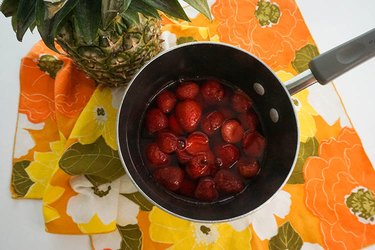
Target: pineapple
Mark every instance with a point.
(108, 39)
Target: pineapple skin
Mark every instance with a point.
(117, 53)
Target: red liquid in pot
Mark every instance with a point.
(202, 139)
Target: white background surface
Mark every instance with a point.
(330, 22)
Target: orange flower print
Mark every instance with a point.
(271, 30)
(51, 84)
(340, 191)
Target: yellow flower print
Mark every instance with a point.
(182, 234)
(98, 118)
(52, 194)
(43, 167)
(305, 112)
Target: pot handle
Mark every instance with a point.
(335, 62)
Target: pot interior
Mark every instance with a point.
(270, 100)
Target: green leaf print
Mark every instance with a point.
(185, 39)
(139, 199)
(97, 161)
(304, 56)
(20, 179)
(307, 149)
(267, 13)
(286, 238)
(50, 65)
(131, 237)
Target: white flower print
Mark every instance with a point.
(91, 200)
(127, 212)
(311, 246)
(170, 40)
(263, 219)
(24, 142)
(190, 11)
(327, 103)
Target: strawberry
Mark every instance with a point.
(248, 168)
(197, 142)
(227, 113)
(228, 183)
(167, 142)
(200, 165)
(166, 101)
(206, 190)
(187, 187)
(170, 177)
(241, 102)
(174, 126)
(253, 144)
(212, 91)
(226, 155)
(187, 90)
(155, 156)
(232, 131)
(156, 120)
(188, 114)
(211, 122)
(249, 120)
(183, 156)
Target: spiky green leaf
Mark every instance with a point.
(110, 8)
(169, 7)
(25, 17)
(9, 7)
(142, 7)
(87, 19)
(49, 27)
(99, 162)
(201, 6)
(130, 16)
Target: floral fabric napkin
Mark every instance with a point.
(65, 149)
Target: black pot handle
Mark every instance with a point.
(335, 62)
(342, 58)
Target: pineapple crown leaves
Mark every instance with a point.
(87, 16)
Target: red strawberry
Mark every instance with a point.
(212, 122)
(241, 102)
(212, 92)
(156, 120)
(155, 156)
(197, 142)
(187, 187)
(228, 183)
(170, 177)
(187, 90)
(226, 155)
(188, 114)
(249, 120)
(200, 165)
(175, 126)
(166, 101)
(183, 156)
(248, 168)
(206, 190)
(227, 113)
(232, 131)
(167, 142)
(253, 144)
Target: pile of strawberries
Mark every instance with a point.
(205, 142)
